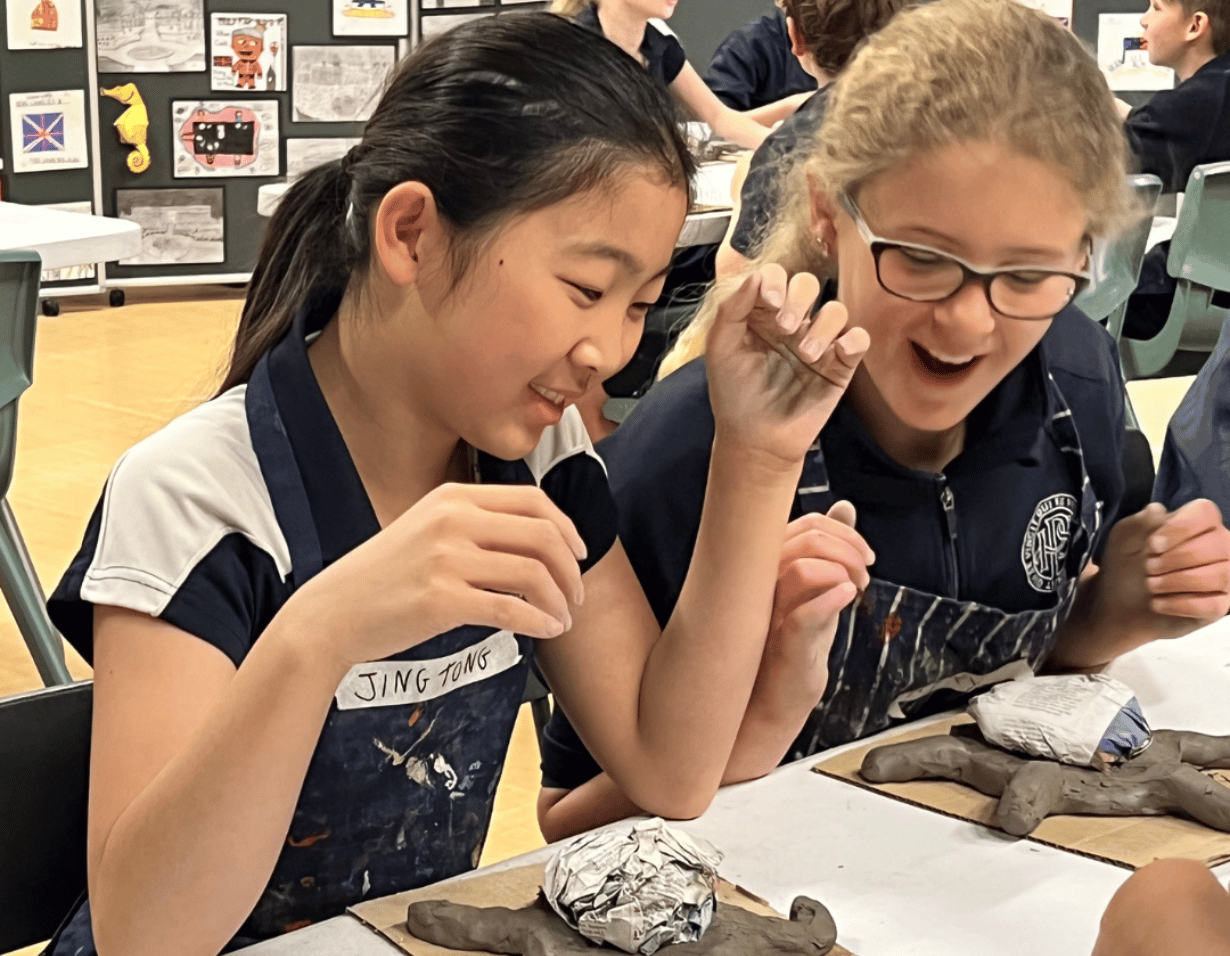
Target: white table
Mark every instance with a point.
(903, 881)
(699, 229)
(67, 238)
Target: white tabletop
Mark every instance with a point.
(903, 881)
(67, 238)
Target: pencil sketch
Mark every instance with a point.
(248, 51)
(150, 36)
(369, 18)
(339, 84)
(434, 26)
(304, 155)
(177, 225)
(225, 138)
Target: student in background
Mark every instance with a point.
(629, 24)
(311, 603)
(977, 453)
(756, 65)
(1168, 907)
(823, 36)
(1178, 129)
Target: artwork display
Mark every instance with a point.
(48, 131)
(150, 36)
(1061, 10)
(339, 84)
(385, 18)
(43, 24)
(1123, 57)
(1165, 779)
(247, 52)
(70, 273)
(132, 125)
(434, 26)
(303, 155)
(178, 226)
(225, 138)
(536, 930)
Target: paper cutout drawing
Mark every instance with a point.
(132, 126)
(45, 17)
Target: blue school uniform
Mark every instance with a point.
(214, 522)
(1195, 460)
(664, 56)
(976, 568)
(754, 66)
(1172, 134)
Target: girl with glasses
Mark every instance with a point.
(969, 154)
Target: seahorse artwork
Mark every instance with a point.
(132, 126)
(45, 17)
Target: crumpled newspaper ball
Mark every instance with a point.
(637, 888)
(1080, 719)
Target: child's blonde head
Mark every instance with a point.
(949, 72)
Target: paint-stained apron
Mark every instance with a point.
(900, 654)
(400, 790)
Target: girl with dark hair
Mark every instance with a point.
(311, 603)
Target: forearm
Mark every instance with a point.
(595, 803)
(739, 128)
(774, 112)
(195, 850)
(699, 675)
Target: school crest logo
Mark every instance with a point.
(1045, 547)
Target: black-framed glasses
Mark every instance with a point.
(922, 274)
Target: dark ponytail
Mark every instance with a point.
(498, 117)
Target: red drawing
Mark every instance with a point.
(227, 138)
(45, 16)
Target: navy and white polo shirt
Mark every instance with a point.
(996, 542)
(755, 65)
(661, 49)
(212, 523)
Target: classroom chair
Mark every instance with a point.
(44, 788)
(19, 278)
(1199, 260)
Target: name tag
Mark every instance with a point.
(389, 683)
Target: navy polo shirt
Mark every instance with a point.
(198, 526)
(658, 461)
(754, 65)
(664, 56)
(771, 163)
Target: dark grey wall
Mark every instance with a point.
(703, 24)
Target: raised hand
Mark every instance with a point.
(775, 372)
(490, 555)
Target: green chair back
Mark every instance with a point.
(1199, 260)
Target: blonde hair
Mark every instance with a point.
(950, 71)
(569, 8)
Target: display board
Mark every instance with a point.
(437, 16)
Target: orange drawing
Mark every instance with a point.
(45, 17)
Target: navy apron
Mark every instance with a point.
(900, 654)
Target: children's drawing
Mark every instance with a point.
(1123, 57)
(132, 125)
(304, 155)
(386, 18)
(248, 51)
(339, 84)
(48, 131)
(225, 138)
(43, 24)
(150, 36)
(177, 225)
(70, 273)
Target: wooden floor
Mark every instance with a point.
(105, 378)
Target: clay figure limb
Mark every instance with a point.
(1165, 779)
(536, 930)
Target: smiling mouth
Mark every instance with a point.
(947, 366)
(555, 398)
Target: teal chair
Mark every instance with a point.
(19, 277)
(1115, 268)
(1200, 261)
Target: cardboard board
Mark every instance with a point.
(512, 888)
(1129, 842)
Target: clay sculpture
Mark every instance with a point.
(1164, 779)
(536, 930)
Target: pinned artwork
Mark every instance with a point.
(132, 126)
(178, 226)
(150, 36)
(434, 26)
(225, 138)
(1124, 58)
(304, 155)
(248, 51)
(48, 131)
(81, 273)
(43, 24)
(339, 84)
(385, 18)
